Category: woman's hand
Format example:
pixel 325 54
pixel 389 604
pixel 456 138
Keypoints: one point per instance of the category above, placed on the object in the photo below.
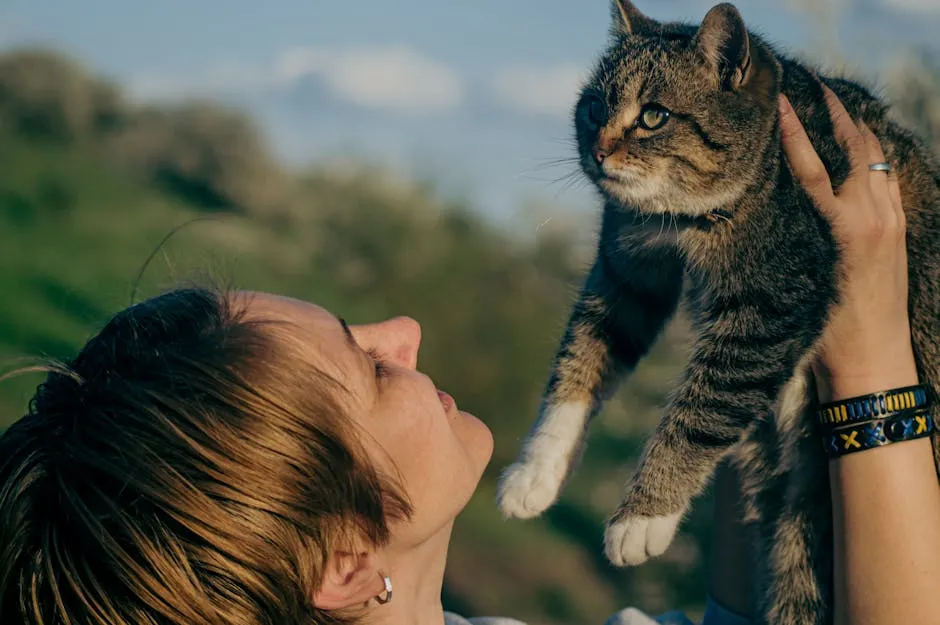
pixel 885 501
pixel 866 346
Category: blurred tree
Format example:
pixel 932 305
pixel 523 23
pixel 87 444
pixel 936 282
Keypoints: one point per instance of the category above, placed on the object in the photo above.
pixel 914 86
pixel 49 96
pixel 212 156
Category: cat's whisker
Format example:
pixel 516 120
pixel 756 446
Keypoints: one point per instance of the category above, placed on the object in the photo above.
pixel 555 162
pixel 573 186
pixel 662 227
pixel 573 180
pixel 557 195
pixel 574 173
pixel 569 142
pixel 572 162
pixel 567 179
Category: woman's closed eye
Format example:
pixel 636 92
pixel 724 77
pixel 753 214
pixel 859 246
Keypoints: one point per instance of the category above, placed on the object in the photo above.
pixel 381 368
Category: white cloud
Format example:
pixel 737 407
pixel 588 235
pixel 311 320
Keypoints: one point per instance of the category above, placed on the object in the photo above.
pixel 397 78
pixel 821 7
pixel 538 90
pixel 222 80
pixel 915 6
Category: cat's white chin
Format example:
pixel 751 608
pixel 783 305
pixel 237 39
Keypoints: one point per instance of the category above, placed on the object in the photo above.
pixel 657 195
pixel 632 189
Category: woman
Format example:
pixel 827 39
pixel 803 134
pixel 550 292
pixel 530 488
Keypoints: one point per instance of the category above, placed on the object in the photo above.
pixel 249 459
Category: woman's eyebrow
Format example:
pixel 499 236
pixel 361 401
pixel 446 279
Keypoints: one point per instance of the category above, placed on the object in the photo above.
pixel 349 337
pixel 354 344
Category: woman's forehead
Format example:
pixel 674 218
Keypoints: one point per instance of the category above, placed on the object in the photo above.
pixel 320 333
pixel 315 328
pixel 271 306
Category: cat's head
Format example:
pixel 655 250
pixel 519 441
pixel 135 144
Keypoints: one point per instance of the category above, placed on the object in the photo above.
pixel 675 117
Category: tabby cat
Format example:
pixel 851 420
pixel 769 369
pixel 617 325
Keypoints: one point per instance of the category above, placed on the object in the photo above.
pixel 680 123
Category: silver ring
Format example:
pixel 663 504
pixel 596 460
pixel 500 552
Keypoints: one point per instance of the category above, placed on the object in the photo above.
pixel 880 167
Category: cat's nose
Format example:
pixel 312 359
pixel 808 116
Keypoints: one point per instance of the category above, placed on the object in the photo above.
pixel 600 155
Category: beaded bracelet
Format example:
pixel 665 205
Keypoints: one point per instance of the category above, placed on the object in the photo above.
pixel 874 406
pixel 904 426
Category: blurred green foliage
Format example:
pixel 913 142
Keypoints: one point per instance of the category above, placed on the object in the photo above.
pixel 91 185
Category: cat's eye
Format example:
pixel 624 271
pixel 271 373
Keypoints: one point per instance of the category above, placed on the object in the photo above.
pixel 652 117
pixel 595 110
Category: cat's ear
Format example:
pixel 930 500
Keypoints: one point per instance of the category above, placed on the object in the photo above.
pixel 723 41
pixel 627 18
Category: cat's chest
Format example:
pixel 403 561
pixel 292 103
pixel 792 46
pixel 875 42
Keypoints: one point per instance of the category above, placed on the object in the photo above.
pixel 738 256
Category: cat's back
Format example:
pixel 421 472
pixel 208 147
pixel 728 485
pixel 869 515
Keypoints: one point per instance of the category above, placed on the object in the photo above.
pixel 915 165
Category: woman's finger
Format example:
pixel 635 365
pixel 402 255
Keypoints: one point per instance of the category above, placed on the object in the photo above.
pixel 847 133
pixel 889 186
pixel 894 190
pixel 878 180
pixel 805 163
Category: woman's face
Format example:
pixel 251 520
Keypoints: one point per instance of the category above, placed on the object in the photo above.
pixel 410 428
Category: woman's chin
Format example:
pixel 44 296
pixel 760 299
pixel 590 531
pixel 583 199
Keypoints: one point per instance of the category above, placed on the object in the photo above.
pixel 477 439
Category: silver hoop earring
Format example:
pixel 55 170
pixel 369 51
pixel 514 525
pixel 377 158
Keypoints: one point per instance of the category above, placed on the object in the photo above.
pixel 388 590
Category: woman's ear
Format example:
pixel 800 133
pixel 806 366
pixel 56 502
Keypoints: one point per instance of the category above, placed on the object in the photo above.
pixel 351 578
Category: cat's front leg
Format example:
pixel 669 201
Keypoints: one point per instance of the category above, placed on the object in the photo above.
pixel 623 307
pixel 731 381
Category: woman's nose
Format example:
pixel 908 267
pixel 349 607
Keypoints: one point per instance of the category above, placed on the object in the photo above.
pixel 397 340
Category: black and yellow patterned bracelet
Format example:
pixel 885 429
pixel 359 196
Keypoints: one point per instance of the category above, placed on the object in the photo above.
pixel 874 406
pixel 905 426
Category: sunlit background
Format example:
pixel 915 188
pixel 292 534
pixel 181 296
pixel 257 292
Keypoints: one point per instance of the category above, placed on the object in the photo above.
pixel 475 95
pixel 380 158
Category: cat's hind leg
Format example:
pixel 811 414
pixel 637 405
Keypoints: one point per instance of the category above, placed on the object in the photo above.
pixel 785 475
pixel 621 311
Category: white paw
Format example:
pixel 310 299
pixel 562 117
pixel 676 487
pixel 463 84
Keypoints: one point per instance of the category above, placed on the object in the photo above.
pixel 526 490
pixel 633 540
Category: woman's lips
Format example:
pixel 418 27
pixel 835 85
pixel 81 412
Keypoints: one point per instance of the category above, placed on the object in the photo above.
pixel 447 401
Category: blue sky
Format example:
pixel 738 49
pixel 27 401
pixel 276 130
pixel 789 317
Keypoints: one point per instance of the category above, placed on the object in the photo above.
pixel 474 93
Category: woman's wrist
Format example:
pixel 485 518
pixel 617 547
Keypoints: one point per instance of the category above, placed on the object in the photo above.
pixel 852 379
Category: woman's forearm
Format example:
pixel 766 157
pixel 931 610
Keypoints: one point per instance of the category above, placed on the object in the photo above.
pixel 886 520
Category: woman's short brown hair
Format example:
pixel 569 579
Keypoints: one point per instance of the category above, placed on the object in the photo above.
pixel 187 467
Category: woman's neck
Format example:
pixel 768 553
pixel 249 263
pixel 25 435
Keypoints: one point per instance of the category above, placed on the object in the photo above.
pixel 417 575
